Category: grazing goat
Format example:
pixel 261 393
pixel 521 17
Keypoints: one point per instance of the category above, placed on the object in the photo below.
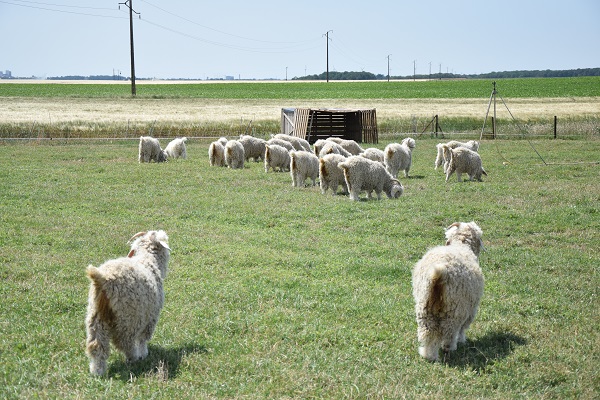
pixel 398 157
pixel 150 150
pixel 176 148
pixel 463 160
pixel 363 174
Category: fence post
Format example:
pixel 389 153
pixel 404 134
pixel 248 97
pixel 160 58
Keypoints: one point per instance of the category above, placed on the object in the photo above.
pixel 555 124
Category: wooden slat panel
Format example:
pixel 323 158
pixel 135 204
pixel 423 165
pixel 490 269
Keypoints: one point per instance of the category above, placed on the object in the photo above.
pixel 314 124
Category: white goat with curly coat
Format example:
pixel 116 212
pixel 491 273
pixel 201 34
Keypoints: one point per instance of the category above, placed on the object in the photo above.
pixel 351 146
pixel 176 148
pixel 363 174
pixel 276 157
pixel 463 160
pixel 216 154
pixel 398 157
pixel 125 298
pixel 234 154
pixel 303 165
pixel 447 288
pixel 453 144
pixel 253 147
pixel 150 150
pixel 330 174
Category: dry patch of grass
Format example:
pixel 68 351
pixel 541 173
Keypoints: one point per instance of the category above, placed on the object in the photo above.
pixel 100 110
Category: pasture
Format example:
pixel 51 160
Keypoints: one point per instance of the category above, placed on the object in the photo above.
pixel 281 292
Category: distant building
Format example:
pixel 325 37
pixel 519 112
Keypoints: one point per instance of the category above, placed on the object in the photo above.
pixel 229 78
pixel 5 75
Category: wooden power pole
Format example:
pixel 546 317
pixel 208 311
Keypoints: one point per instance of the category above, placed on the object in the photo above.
pixel 129 5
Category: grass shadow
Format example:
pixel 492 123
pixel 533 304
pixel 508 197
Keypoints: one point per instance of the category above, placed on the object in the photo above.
pixel 484 351
pixel 161 363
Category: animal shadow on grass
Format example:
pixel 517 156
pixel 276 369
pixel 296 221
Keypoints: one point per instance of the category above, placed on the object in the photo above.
pixel 161 363
pixel 484 351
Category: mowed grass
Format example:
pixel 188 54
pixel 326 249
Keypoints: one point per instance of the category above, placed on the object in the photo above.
pixel 434 89
pixel 280 292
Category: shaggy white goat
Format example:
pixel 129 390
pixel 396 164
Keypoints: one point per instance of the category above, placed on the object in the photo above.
pixel 234 154
pixel 253 147
pixel 125 298
pixel 298 143
pixel 216 154
pixel 282 143
pixel 317 146
pixel 150 150
pixel 398 157
pixel 277 157
pixel 303 164
pixel 330 147
pixel 374 154
pixel 447 287
pixel 176 148
pixel 453 144
pixel 463 160
pixel 330 174
pixel 351 146
pixel 363 174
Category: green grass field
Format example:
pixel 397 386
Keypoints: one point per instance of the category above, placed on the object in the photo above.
pixel 455 89
pixel 280 292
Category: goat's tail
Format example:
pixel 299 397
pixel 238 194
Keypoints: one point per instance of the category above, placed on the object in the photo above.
pixel 436 296
pixel 95 276
pixel 322 168
pixel 293 162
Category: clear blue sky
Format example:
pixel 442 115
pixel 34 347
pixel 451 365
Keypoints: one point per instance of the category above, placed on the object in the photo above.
pixel 261 39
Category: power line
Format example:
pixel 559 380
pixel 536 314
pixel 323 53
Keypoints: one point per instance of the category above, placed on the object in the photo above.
pixel 223 32
pixel 38 5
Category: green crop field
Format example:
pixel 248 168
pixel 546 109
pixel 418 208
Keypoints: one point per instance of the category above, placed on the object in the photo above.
pixel 457 89
pixel 281 292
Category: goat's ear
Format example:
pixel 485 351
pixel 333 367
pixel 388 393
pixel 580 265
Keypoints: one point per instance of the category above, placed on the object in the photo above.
pixel 448 242
pixel 131 253
pixel 165 245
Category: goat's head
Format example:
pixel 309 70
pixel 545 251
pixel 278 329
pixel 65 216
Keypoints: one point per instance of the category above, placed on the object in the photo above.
pixel 160 237
pixel 468 233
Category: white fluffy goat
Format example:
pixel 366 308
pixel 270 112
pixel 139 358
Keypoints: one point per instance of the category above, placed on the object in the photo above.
pixel 150 150
pixel 447 287
pixel 276 157
pixel 398 157
pixel 234 154
pixel 330 147
pixel 253 147
pixel 125 298
pixel 303 165
pixel 363 174
pixel 453 144
pixel 281 142
pixel 176 148
pixel 374 154
pixel 351 146
pixel 463 160
pixel 216 154
pixel 330 174
pixel 298 143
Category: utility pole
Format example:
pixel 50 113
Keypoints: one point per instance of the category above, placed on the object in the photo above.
pixel 327 37
pixel 414 70
pixel 129 5
pixel 388 57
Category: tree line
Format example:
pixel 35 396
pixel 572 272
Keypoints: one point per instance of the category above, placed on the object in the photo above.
pixel 362 75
